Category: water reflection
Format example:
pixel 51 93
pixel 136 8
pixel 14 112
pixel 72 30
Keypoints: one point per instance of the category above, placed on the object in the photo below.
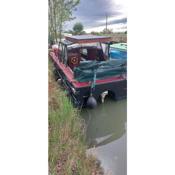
pixel 106 130
pixel 106 123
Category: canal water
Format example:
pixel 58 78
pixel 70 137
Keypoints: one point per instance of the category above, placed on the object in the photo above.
pixel 106 135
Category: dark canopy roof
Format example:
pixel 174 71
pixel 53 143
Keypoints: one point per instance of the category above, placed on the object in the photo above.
pixel 88 38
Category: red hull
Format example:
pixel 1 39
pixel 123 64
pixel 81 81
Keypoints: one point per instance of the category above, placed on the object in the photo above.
pixel 70 77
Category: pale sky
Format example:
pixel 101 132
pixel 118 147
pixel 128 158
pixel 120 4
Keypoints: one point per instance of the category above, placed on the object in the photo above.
pixel 91 13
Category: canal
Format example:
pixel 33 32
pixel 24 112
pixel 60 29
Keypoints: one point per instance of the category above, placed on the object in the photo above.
pixel 106 135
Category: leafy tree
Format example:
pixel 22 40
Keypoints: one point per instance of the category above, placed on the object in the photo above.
pixel 78 28
pixel 60 11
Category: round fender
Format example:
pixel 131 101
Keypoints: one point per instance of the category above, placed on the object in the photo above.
pixel 91 102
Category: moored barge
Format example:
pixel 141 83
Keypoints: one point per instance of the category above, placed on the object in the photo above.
pixel 83 65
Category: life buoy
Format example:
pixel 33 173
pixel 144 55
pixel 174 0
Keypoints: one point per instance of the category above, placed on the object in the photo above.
pixel 74 60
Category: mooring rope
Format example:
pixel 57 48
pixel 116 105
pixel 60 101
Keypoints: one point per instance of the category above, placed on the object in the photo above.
pixel 93 82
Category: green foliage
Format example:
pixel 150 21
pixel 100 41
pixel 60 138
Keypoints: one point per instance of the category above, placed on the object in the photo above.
pixel 104 32
pixel 107 31
pixel 78 28
pixel 60 11
pixel 96 33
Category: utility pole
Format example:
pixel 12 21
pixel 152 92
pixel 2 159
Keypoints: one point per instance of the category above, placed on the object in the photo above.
pixel 106 22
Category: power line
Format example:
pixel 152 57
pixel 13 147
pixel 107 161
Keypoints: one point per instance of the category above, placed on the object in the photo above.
pixel 98 15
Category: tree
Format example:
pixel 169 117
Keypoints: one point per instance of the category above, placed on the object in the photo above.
pixel 107 31
pixel 95 33
pixel 60 11
pixel 78 28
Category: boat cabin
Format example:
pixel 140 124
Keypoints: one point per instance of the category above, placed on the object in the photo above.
pixel 77 49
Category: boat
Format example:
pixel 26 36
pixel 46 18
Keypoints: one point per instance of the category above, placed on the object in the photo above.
pixel 83 65
pixel 118 51
pixel 120 46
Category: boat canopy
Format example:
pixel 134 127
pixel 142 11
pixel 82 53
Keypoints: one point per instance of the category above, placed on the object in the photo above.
pixel 103 69
pixel 88 39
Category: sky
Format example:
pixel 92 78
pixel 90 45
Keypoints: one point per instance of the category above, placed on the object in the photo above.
pixel 92 14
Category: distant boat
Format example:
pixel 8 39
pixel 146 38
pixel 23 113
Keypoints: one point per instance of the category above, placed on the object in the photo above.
pixel 118 51
pixel 121 46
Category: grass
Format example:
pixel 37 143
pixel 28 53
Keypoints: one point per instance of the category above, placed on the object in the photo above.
pixel 67 147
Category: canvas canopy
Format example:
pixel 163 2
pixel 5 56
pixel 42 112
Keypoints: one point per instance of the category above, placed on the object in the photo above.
pixel 88 38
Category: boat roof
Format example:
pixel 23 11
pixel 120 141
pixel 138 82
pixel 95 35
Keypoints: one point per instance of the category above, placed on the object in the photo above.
pixel 87 39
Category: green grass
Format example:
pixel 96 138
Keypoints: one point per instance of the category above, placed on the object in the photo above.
pixel 67 145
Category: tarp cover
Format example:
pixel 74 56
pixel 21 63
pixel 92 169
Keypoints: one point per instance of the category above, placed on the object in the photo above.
pixel 86 70
pixel 118 54
pixel 122 46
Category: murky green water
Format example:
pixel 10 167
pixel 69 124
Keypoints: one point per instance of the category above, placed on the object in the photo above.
pixel 106 130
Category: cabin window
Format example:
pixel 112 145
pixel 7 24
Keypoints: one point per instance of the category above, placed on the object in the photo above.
pixel 105 49
pixel 84 54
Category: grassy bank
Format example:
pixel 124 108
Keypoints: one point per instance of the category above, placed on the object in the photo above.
pixel 67 145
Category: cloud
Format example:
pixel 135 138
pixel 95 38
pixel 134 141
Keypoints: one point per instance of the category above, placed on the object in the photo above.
pixel 114 27
pixel 112 20
pixel 92 13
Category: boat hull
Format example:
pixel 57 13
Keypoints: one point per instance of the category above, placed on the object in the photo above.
pixel 117 88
